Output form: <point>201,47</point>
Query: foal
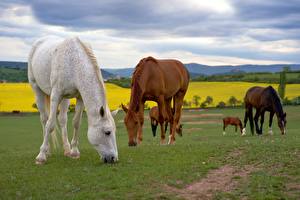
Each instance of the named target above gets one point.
<point>154,117</point>
<point>235,121</point>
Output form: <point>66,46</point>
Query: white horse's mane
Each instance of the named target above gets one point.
<point>88,50</point>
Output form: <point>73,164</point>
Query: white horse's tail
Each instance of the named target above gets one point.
<point>53,133</point>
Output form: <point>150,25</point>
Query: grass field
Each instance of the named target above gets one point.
<point>265,167</point>
<point>19,96</point>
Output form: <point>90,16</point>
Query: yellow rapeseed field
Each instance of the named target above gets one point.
<point>19,96</point>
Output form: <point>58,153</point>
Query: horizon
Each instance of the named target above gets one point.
<point>214,33</point>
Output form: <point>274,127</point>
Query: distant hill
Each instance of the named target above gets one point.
<point>199,69</point>
<point>195,69</point>
<point>11,64</point>
<point>17,72</point>
<point>225,69</point>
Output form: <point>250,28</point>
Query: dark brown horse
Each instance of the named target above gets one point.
<point>159,81</point>
<point>235,121</point>
<point>263,99</point>
<point>154,118</point>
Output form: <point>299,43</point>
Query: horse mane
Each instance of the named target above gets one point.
<point>136,88</point>
<point>275,99</point>
<point>89,52</point>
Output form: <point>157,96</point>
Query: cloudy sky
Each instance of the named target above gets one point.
<point>121,32</point>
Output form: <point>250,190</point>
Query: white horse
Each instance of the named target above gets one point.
<point>62,69</point>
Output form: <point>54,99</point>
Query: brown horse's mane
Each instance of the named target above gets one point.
<point>136,92</point>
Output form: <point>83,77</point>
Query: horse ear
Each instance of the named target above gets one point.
<point>124,108</point>
<point>114,113</point>
<point>102,111</point>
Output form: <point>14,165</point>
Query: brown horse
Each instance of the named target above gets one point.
<point>263,99</point>
<point>159,81</point>
<point>235,121</point>
<point>154,118</point>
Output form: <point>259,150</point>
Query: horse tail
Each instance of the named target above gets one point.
<point>250,115</point>
<point>53,133</point>
<point>153,127</point>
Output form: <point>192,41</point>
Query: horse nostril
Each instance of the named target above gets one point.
<point>107,132</point>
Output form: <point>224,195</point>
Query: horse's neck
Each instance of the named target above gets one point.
<point>92,92</point>
<point>277,108</point>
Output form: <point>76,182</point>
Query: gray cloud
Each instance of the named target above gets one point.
<point>262,21</point>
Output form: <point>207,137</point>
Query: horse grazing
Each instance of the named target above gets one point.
<point>159,81</point>
<point>62,69</point>
<point>154,118</point>
<point>263,99</point>
<point>235,121</point>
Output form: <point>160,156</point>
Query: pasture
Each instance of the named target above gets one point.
<point>19,96</point>
<point>203,164</point>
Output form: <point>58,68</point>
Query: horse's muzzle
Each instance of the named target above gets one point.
<point>109,159</point>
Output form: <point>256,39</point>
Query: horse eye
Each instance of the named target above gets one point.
<point>107,132</point>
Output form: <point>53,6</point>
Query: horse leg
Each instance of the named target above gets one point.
<point>170,114</point>
<point>141,121</point>
<point>262,118</point>
<point>270,123</point>
<point>162,117</point>
<point>256,117</point>
<point>178,101</point>
<point>166,126</point>
<point>62,121</point>
<point>76,124</point>
<point>235,128</point>
<point>55,99</point>
<point>40,99</point>
<point>154,124</point>
<point>224,127</point>
<point>245,120</point>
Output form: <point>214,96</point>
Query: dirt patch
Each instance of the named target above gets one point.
<point>203,115</point>
<point>203,122</point>
<point>189,130</point>
<point>224,179</point>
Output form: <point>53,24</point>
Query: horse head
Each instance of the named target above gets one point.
<point>132,124</point>
<point>282,123</point>
<point>102,135</point>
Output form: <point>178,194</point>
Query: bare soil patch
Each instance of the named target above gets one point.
<point>224,179</point>
<point>203,115</point>
<point>203,122</point>
<point>189,130</point>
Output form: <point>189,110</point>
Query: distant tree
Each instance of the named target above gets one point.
<point>72,107</point>
<point>232,101</point>
<point>209,100</point>
<point>34,106</point>
<point>203,105</point>
<point>196,100</point>
<point>282,84</point>
<point>221,104</point>
<point>146,106</point>
<point>286,69</point>
<point>186,103</point>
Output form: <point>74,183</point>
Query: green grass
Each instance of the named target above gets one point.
<point>142,172</point>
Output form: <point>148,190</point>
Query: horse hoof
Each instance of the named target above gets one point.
<point>171,141</point>
<point>40,161</point>
<point>75,155</point>
<point>67,153</point>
